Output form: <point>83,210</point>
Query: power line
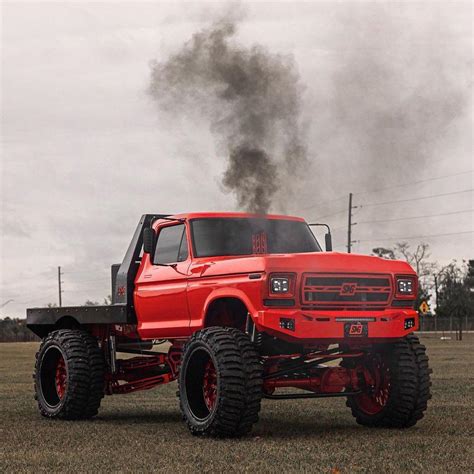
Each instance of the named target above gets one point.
<point>329,215</point>
<point>42,297</point>
<point>393,202</point>
<point>82,271</point>
<point>414,182</point>
<point>416,199</point>
<point>75,281</point>
<point>322,203</point>
<point>91,281</point>
<point>415,217</point>
<point>87,290</point>
<point>414,237</point>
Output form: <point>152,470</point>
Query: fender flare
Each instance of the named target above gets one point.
<point>227,292</point>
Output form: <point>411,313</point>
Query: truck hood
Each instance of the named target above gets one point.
<point>318,262</point>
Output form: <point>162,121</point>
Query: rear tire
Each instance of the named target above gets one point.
<point>69,375</point>
<point>220,383</point>
<point>399,397</point>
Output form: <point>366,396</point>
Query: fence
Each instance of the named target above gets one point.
<point>446,324</point>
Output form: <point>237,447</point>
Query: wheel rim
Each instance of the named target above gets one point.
<point>53,377</point>
<point>60,378</point>
<point>377,393</point>
<point>209,385</point>
<point>201,384</point>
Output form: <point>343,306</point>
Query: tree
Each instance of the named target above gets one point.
<point>91,303</point>
<point>470,275</point>
<point>418,259</point>
<point>455,298</point>
<point>384,253</point>
<point>13,330</point>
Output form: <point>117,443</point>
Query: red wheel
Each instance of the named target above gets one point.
<point>209,386</point>
<point>395,384</point>
<point>375,398</point>
<point>60,378</point>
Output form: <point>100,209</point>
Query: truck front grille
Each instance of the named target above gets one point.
<point>340,292</point>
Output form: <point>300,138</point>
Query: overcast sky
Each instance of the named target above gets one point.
<point>85,152</point>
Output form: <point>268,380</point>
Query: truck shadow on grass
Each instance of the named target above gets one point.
<point>141,418</point>
<point>268,427</point>
<point>285,429</point>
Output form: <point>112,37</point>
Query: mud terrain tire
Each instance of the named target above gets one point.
<point>69,375</point>
<point>407,392</point>
<point>220,383</point>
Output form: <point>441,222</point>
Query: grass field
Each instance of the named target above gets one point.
<point>144,432</point>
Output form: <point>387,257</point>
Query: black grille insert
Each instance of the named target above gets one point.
<point>347,291</point>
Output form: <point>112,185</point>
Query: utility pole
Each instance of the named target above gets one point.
<point>436,276</point>
<point>349,225</point>
<point>59,287</point>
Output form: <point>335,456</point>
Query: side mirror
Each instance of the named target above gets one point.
<point>327,236</point>
<point>328,241</point>
<point>148,240</point>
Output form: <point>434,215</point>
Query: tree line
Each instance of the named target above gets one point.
<point>15,330</point>
<point>448,289</point>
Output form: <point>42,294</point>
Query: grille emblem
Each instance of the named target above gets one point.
<point>348,289</point>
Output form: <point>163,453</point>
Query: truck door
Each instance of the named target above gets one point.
<point>160,288</point>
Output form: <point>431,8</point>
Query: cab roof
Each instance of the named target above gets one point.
<point>242,215</point>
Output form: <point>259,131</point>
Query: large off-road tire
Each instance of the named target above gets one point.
<point>220,383</point>
<point>69,375</point>
<point>401,389</point>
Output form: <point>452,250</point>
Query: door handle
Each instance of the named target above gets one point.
<point>200,268</point>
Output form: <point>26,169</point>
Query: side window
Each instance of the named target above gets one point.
<point>183,248</point>
<point>171,246</point>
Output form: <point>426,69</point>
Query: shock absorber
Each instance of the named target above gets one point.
<point>255,336</point>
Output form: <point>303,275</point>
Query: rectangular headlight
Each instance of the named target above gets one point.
<point>280,285</point>
<point>405,286</point>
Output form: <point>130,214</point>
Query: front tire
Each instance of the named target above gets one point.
<point>220,383</point>
<point>69,375</point>
<point>400,391</point>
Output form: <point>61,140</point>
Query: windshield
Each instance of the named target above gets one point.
<point>248,236</point>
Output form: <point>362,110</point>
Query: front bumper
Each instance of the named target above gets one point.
<point>296,325</point>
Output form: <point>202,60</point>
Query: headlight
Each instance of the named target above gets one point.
<point>280,285</point>
<point>405,286</point>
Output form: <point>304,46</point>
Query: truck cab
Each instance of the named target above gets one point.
<point>207,267</point>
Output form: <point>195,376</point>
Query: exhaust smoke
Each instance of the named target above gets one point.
<point>252,99</point>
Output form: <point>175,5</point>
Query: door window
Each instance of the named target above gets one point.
<point>172,246</point>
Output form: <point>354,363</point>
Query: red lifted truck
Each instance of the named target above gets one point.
<point>251,307</point>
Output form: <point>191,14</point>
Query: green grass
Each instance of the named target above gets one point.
<point>144,431</point>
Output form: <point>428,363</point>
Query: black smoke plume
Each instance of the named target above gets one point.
<point>251,99</point>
